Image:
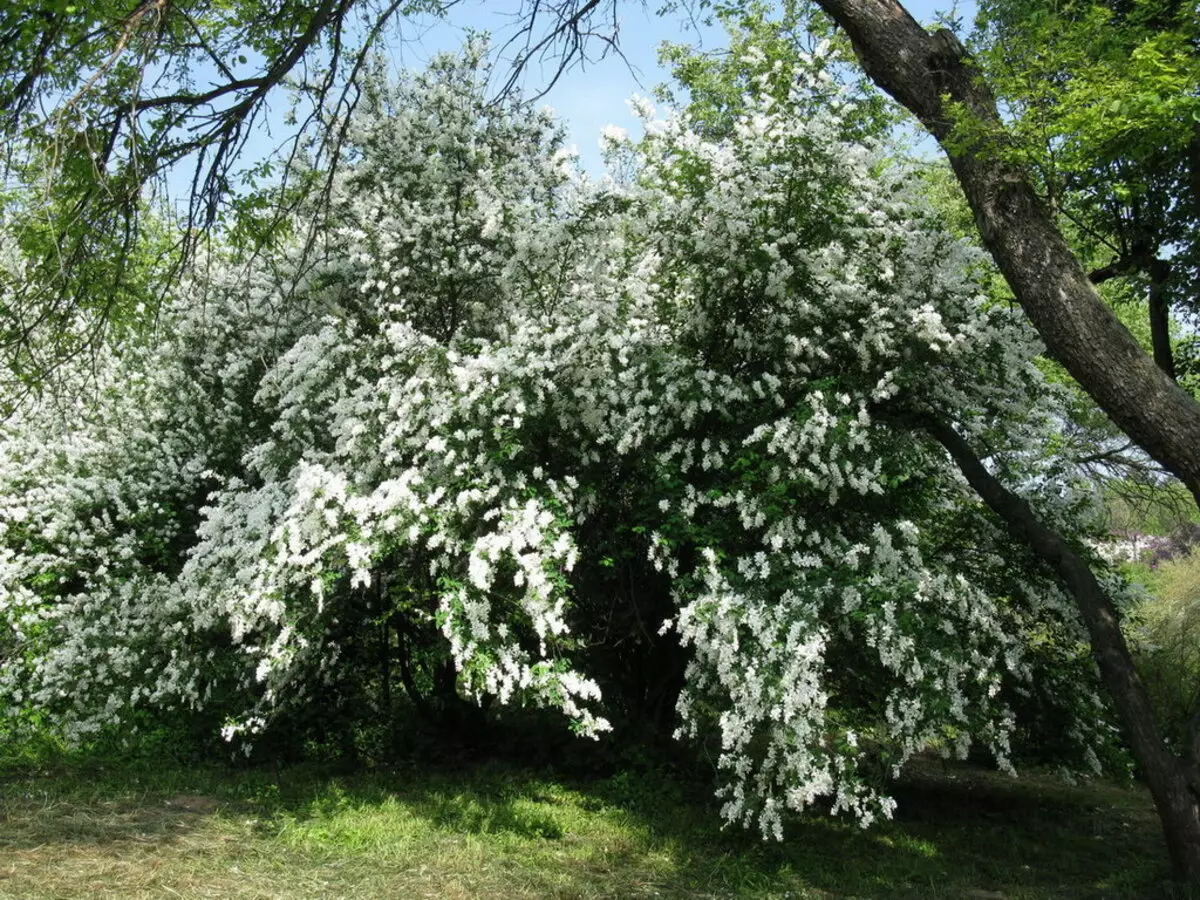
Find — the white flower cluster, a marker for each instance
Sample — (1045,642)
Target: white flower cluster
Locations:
(445,395)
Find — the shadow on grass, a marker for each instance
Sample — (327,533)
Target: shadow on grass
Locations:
(493,831)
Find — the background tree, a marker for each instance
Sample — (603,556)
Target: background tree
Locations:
(1102,102)
(101,100)
(931,76)
(934,78)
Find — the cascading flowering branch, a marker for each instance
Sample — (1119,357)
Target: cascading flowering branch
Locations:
(442,396)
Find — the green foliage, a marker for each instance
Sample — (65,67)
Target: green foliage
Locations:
(70,283)
(1167,632)
(1098,101)
(1159,509)
(101,100)
(771,46)
(1102,103)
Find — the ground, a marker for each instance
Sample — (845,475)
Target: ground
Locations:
(147,829)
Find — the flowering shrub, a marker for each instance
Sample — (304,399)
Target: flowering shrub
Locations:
(418,421)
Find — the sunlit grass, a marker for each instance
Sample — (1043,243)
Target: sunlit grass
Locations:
(139,830)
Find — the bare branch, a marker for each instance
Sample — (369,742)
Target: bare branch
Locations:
(565,40)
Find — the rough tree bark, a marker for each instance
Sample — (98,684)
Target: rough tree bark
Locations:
(923,71)
(1158,271)
(1160,317)
(1173,781)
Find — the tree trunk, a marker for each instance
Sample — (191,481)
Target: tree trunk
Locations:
(1193,745)
(1171,780)
(920,69)
(1160,317)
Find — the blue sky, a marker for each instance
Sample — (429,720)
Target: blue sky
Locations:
(586,98)
(595,95)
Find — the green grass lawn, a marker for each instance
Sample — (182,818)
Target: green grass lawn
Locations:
(161,830)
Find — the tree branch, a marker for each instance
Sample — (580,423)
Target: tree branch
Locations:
(1169,777)
(932,76)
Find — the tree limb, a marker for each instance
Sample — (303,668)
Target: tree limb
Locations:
(1169,777)
(931,75)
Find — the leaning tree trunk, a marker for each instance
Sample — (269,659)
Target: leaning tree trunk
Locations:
(1160,317)
(923,71)
(1173,781)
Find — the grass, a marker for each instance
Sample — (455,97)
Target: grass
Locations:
(139,830)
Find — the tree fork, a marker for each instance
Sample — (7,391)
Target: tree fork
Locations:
(923,70)
(1172,780)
